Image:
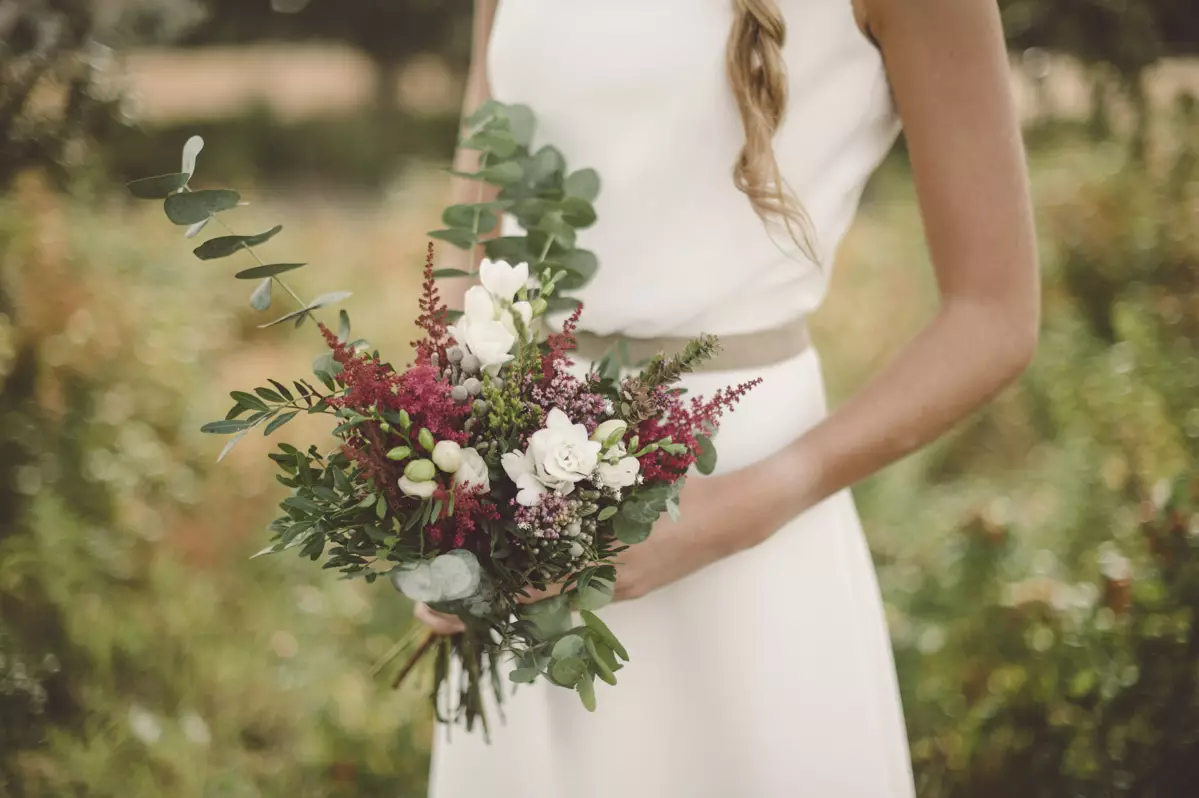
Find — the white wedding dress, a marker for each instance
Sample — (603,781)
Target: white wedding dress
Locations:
(768,674)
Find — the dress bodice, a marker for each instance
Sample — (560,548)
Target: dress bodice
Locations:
(639,91)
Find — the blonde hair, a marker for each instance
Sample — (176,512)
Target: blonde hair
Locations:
(758,78)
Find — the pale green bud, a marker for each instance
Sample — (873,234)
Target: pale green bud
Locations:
(420,470)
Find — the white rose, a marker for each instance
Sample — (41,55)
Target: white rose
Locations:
(621,474)
(613,426)
(419,490)
(558,456)
(503,280)
(447,456)
(472,471)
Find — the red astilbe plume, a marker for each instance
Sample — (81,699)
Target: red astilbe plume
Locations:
(433,319)
(682,423)
(559,345)
(472,507)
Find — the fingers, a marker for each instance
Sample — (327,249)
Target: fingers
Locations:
(438,622)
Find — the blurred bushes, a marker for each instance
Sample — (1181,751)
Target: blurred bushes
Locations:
(1049,645)
(140,652)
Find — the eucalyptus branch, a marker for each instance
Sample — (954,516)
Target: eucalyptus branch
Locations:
(261,262)
(478,214)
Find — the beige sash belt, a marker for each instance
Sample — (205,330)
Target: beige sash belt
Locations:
(740,352)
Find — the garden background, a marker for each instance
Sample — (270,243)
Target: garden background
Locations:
(1040,565)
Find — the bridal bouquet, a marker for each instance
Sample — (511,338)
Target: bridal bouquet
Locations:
(488,466)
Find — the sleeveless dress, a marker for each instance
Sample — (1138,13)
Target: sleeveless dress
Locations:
(768,674)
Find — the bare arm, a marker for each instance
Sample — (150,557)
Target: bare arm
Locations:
(949,71)
(464,191)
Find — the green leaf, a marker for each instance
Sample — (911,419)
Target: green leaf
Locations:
(503,173)
(584,184)
(462,239)
(577,212)
(159,186)
(190,207)
(547,163)
(306,506)
(279,421)
(639,511)
(581,265)
(282,389)
(603,659)
(268,394)
(261,298)
(595,595)
(236,439)
(606,513)
(440,274)
(459,216)
(331,298)
(485,112)
(513,249)
(248,400)
(269,270)
(224,246)
(586,688)
(550,617)
(604,633)
(568,647)
(343,326)
(705,463)
(496,142)
(568,672)
(226,427)
(561,304)
(524,675)
(521,123)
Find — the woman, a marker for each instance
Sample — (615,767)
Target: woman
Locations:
(761,663)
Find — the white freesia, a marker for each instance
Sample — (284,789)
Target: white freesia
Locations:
(621,474)
(472,471)
(558,456)
(481,333)
(447,455)
(420,490)
(613,426)
(502,280)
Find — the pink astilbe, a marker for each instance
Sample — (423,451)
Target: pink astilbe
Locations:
(433,319)
(558,388)
(560,344)
(682,423)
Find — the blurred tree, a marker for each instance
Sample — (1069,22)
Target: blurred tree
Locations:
(390,33)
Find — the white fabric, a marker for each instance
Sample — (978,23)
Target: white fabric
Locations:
(768,674)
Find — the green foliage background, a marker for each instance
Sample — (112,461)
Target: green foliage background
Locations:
(1039,564)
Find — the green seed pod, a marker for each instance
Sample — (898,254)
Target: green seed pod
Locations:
(539,306)
(426,439)
(399,453)
(405,420)
(385,426)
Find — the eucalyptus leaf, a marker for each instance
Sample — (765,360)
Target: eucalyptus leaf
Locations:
(547,163)
(577,212)
(462,239)
(190,207)
(705,462)
(524,675)
(629,531)
(195,229)
(584,184)
(331,298)
(568,647)
(159,186)
(643,509)
(503,173)
(568,672)
(269,270)
(343,326)
(522,123)
(261,298)
(191,150)
(224,246)
(586,688)
(602,631)
(595,595)
(441,274)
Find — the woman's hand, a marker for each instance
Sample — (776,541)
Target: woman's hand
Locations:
(719,517)
(438,622)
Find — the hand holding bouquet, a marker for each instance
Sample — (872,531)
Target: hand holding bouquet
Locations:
(490,465)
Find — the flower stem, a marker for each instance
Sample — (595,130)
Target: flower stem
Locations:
(474,259)
(261,262)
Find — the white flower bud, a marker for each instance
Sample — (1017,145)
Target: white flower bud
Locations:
(420,490)
(447,455)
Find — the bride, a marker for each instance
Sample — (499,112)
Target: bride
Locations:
(734,138)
